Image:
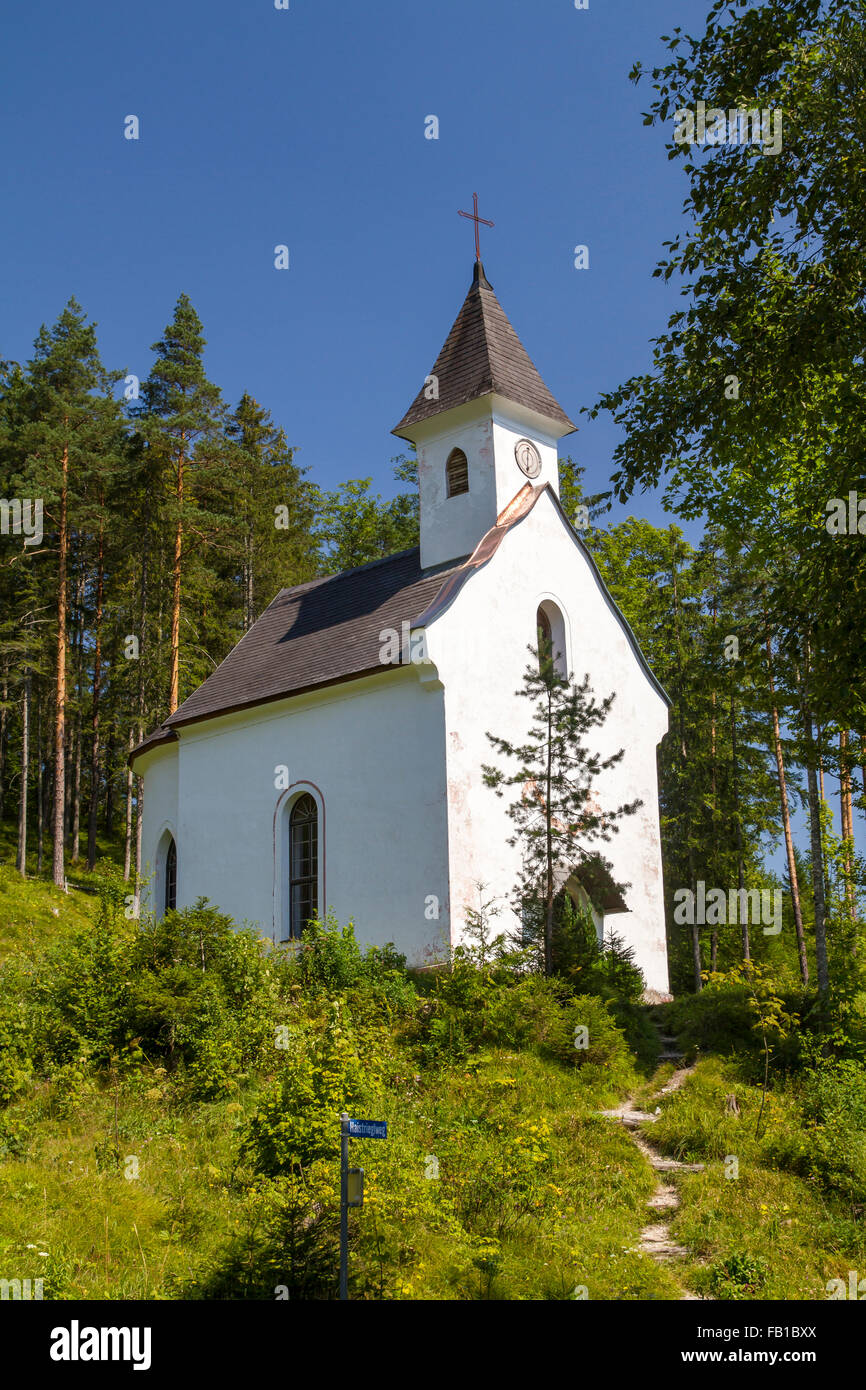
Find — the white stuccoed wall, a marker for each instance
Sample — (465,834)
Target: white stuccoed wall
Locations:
(159,769)
(374,749)
(378,750)
(479,647)
(487,431)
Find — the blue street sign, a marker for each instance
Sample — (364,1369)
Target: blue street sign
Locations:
(368,1129)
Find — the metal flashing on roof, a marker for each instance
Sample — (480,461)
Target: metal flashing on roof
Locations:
(328,631)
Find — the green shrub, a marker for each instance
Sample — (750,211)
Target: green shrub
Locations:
(830,1146)
(81,990)
(286,1247)
(614,972)
(474,1008)
(322,1074)
(575,945)
(16,1066)
(716,1020)
(640,1034)
(739,1277)
(331,962)
(329,959)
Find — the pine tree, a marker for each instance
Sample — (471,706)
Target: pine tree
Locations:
(71,414)
(556,815)
(266,490)
(182,417)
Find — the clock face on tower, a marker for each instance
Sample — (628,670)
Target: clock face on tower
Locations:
(528,458)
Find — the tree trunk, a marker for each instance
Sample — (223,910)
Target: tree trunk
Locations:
(741,879)
(40,816)
(697,964)
(94,713)
(4,725)
(58,867)
(696,935)
(25,761)
(548,812)
(175,598)
(134,783)
(846,805)
(247,578)
(75,798)
(820,750)
(786,815)
(696,958)
(818,879)
(127,837)
(714,838)
(817,851)
(109,783)
(76,647)
(250,591)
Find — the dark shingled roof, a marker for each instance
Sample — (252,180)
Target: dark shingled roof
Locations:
(159,735)
(327,631)
(483,354)
(317,634)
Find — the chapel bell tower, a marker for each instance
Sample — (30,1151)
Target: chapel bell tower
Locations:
(484,424)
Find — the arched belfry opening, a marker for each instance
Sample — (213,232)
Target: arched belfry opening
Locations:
(485,395)
(456,473)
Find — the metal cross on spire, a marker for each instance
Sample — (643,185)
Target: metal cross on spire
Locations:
(473,217)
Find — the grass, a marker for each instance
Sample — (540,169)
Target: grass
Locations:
(105,1236)
(764,1233)
(128,1191)
(33,912)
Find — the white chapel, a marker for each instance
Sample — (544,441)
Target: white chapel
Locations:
(334,759)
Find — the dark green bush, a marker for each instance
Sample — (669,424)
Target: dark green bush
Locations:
(472,1008)
(830,1147)
(330,962)
(716,1020)
(740,1276)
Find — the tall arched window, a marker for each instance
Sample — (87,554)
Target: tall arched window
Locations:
(550,632)
(456,473)
(545,639)
(170,903)
(303,864)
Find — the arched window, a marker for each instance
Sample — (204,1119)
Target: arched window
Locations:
(545,639)
(170,903)
(303,864)
(550,633)
(456,473)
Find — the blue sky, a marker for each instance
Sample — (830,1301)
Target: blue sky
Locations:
(306,127)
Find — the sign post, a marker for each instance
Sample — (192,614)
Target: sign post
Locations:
(352,1192)
(344,1206)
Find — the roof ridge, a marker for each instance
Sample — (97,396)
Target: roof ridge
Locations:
(343,574)
(511,515)
(432,590)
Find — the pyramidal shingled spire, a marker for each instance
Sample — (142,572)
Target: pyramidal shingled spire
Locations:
(483,355)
